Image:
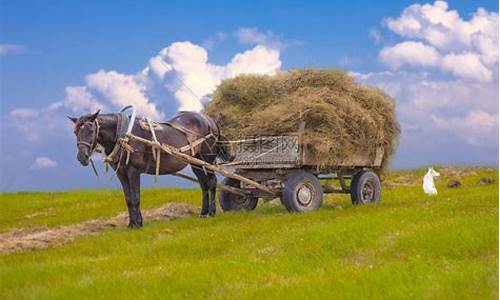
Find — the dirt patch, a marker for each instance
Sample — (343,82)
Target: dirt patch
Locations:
(39,238)
(486,181)
(403,180)
(458,171)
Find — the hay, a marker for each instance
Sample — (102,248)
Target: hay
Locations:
(23,239)
(341,117)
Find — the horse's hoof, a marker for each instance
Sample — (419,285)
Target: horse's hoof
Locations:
(202,216)
(134,226)
(211,215)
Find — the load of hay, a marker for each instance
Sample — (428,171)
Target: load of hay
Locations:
(341,117)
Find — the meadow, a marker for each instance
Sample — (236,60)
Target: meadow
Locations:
(409,245)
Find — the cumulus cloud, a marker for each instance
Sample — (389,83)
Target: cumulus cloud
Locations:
(121,90)
(7,49)
(410,53)
(43,162)
(444,28)
(440,110)
(464,48)
(466,65)
(441,42)
(183,68)
(79,98)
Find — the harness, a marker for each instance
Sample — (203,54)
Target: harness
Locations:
(192,137)
(122,141)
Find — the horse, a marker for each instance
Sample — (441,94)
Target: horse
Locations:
(106,130)
(428,182)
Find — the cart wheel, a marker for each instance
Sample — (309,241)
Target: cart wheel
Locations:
(230,201)
(302,192)
(365,188)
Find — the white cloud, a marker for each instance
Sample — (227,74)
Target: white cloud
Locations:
(181,69)
(34,124)
(376,35)
(410,53)
(218,37)
(111,90)
(184,69)
(24,113)
(252,36)
(466,65)
(79,99)
(43,162)
(6,49)
(477,127)
(259,60)
(467,49)
(444,28)
(121,90)
(440,110)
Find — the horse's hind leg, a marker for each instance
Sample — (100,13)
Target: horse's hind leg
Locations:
(212,186)
(203,180)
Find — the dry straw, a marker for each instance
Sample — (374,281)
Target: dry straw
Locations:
(341,117)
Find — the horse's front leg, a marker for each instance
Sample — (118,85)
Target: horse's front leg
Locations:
(134,199)
(122,176)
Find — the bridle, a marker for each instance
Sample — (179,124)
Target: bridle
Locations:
(121,141)
(93,144)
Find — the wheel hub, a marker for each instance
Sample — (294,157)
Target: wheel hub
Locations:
(304,195)
(367,192)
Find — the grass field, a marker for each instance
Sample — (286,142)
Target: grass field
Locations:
(407,246)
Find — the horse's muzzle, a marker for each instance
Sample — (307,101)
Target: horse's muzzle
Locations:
(83,159)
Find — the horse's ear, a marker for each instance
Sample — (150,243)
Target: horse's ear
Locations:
(94,116)
(73,119)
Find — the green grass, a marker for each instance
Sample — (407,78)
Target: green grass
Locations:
(407,246)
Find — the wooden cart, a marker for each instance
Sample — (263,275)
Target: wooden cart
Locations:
(278,167)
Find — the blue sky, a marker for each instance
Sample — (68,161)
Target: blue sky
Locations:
(444,79)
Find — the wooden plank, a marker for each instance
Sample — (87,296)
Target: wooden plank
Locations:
(231,189)
(188,158)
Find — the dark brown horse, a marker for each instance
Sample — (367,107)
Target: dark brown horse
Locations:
(106,130)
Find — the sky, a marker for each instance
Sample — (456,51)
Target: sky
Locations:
(438,60)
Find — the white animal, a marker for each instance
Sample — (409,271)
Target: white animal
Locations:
(429,187)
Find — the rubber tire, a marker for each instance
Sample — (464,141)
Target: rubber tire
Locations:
(229,201)
(291,187)
(358,182)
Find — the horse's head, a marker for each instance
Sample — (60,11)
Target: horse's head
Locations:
(86,132)
(432,172)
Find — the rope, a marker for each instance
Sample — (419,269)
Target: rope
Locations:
(156,152)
